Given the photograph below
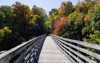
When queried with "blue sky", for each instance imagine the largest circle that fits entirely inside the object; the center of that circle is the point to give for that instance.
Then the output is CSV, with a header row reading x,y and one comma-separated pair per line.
x,y
47,5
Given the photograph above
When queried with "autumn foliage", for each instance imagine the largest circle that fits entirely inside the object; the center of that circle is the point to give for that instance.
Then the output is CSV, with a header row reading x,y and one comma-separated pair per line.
x,y
59,26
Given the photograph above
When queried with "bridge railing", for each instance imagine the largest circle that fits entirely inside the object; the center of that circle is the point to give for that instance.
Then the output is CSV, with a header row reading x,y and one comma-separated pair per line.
x,y
76,50
26,52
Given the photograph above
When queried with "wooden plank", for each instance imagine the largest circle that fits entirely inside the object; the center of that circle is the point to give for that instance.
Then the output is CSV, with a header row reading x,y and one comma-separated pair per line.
x,y
51,53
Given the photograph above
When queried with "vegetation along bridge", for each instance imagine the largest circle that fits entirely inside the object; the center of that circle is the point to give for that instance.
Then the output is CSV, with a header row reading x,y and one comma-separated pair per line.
x,y
52,49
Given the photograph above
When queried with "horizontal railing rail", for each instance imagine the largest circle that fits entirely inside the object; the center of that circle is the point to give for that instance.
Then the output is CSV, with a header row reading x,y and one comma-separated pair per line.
x,y
26,52
76,50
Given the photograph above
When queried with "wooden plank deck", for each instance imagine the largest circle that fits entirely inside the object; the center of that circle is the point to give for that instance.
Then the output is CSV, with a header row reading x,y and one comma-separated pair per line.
x,y
51,53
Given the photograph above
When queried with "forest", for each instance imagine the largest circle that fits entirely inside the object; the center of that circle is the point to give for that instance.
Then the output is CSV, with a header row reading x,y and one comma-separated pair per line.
x,y
19,23
79,22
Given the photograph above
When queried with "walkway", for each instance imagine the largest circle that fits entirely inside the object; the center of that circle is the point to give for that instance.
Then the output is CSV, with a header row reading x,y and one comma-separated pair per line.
x,y
51,53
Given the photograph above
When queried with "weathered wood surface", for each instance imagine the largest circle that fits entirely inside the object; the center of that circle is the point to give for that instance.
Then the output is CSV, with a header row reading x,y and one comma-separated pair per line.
x,y
51,53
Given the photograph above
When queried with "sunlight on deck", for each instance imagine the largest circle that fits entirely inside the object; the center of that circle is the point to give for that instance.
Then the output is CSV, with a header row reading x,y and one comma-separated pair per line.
x,y
51,53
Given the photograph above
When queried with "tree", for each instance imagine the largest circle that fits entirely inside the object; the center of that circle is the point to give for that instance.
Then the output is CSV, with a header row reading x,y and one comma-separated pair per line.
x,y
59,26
23,20
7,10
40,17
84,7
4,35
74,26
53,12
65,9
93,36
2,19
53,17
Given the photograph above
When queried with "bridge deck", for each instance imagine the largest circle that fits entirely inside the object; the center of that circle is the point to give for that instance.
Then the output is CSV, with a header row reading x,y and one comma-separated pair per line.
x,y
51,53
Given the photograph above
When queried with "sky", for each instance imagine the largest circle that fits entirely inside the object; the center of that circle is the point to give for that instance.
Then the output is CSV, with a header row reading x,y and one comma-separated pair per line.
x,y
47,5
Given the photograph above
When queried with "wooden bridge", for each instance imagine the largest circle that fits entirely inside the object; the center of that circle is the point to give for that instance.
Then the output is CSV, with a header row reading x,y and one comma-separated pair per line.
x,y
52,49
